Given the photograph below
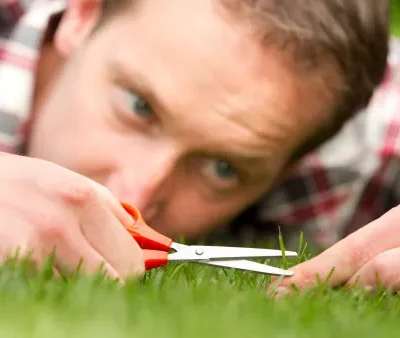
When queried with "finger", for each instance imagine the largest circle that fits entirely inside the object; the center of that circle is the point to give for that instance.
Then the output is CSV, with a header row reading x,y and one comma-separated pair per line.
x,y
107,236
56,273
341,261
382,271
75,188
53,232
78,254
113,203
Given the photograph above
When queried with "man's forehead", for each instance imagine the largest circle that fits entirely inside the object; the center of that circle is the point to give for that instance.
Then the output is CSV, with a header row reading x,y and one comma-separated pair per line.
x,y
216,59
209,71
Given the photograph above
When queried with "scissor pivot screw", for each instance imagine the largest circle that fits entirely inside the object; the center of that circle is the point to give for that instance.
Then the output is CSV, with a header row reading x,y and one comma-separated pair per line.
x,y
199,252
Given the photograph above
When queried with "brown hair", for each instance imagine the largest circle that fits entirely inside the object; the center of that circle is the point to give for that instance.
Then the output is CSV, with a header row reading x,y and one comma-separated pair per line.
x,y
348,37
111,7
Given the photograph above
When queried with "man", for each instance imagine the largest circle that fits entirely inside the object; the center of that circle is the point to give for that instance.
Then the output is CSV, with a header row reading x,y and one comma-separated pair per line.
x,y
190,110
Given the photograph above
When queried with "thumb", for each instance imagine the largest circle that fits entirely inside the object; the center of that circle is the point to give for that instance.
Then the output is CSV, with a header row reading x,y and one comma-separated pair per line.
x,y
382,271
305,275
341,261
331,263
113,203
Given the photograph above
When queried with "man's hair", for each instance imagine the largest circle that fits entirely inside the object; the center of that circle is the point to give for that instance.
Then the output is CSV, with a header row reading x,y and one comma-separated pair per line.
x,y
112,6
346,38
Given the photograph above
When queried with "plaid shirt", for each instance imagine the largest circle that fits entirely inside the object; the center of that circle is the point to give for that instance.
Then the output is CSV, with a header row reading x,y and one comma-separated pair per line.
x,y
346,183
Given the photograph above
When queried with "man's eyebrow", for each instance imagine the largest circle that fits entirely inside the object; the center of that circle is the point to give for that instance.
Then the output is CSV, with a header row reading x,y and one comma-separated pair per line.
x,y
140,84
248,162
256,165
252,169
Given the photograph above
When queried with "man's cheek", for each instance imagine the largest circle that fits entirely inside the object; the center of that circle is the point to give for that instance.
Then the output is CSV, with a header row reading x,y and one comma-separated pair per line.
x,y
197,217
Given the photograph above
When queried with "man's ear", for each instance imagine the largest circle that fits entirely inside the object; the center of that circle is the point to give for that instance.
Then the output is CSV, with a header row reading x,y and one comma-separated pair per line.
x,y
77,22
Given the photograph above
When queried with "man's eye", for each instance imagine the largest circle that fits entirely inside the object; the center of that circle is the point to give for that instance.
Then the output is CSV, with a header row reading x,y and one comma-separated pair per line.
x,y
220,173
223,170
139,106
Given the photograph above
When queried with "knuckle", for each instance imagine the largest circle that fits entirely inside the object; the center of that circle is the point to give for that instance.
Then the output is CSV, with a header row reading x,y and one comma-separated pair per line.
x,y
384,271
380,266
51,227
359,254
309,277
77,192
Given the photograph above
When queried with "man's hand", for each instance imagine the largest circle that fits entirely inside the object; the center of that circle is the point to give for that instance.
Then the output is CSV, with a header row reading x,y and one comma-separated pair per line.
x,y
368,256
46,208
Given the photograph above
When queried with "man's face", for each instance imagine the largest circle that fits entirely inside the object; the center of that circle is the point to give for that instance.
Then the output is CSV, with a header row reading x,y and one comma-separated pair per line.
x,y
177,109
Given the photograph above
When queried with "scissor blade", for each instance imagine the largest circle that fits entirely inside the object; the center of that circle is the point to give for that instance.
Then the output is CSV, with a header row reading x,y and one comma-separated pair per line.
x,y
250,266
210,253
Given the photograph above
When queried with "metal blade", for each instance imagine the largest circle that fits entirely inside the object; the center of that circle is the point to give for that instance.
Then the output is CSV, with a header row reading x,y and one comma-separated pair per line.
x,y
250,266
210,253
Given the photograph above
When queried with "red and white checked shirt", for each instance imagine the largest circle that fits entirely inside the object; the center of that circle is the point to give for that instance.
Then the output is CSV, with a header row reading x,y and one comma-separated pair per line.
x,y
347,183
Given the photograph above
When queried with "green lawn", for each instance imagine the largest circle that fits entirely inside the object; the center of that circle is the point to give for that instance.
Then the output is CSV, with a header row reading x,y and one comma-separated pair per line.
x,y
396,17
185,300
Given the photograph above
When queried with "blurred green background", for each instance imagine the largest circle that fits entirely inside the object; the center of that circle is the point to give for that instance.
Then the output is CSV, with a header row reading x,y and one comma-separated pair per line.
x,y
396,17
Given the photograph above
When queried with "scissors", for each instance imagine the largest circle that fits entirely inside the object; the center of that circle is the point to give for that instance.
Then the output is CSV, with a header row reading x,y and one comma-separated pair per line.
x,y
156,251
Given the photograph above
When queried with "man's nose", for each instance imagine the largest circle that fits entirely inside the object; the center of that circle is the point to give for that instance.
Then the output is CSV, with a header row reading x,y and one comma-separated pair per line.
x,y
139,181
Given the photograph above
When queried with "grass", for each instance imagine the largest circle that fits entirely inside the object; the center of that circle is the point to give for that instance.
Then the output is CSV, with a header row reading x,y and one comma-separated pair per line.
x,y
395,11
185,300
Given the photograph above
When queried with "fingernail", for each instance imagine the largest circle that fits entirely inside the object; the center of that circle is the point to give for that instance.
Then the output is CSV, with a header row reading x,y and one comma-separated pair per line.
x,y
281,292
369,289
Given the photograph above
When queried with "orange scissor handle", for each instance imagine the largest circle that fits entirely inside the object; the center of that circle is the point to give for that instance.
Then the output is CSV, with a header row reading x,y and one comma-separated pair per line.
x,y
154,259
149,240
146,237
